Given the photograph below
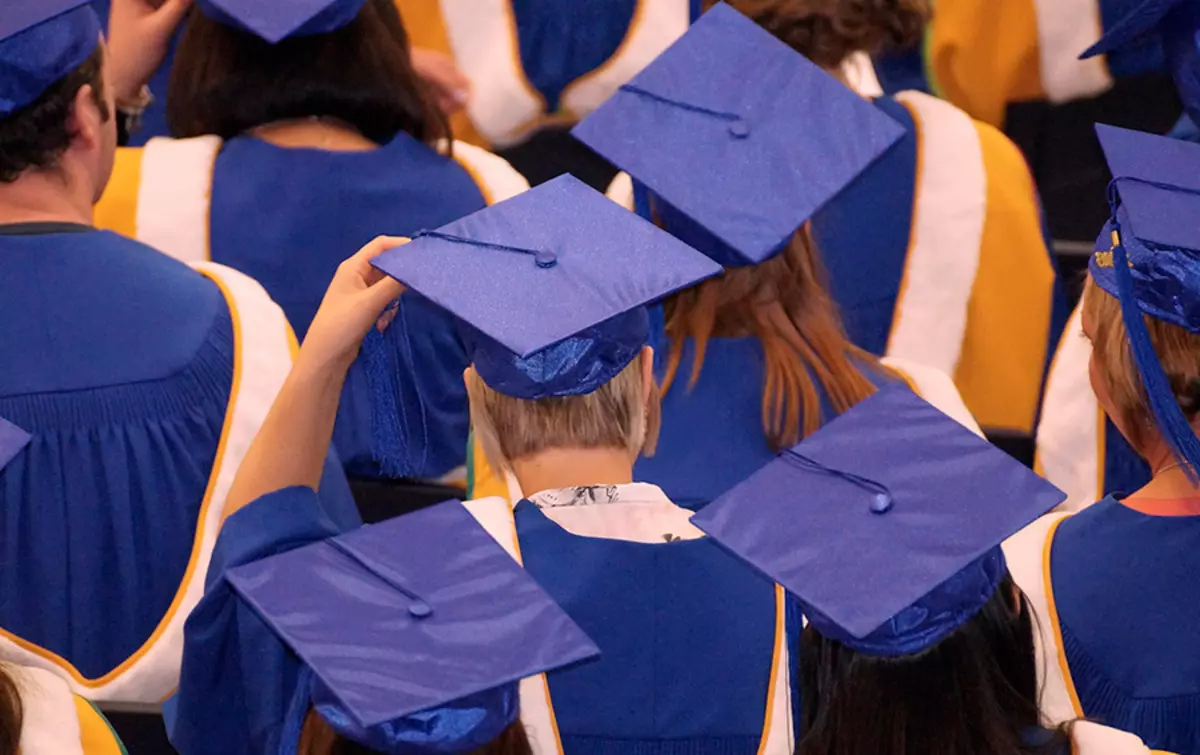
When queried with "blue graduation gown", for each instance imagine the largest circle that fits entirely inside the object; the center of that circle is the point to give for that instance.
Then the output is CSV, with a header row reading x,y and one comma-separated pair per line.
x,y
118,360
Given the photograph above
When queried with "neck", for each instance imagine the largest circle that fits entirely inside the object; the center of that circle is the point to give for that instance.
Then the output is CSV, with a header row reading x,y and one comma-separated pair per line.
x,y
44,197
573,467
1169,480
316,132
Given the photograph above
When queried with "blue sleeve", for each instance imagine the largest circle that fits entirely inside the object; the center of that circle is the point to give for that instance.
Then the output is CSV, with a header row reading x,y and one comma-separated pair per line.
x,y
336,496
237,676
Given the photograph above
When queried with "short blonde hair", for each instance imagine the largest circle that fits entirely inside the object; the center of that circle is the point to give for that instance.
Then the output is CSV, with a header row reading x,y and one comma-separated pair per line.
x,y
616,415
1178,351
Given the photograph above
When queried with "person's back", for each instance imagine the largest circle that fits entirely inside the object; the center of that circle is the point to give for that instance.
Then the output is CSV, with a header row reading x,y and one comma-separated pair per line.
x,y
256,185
139,382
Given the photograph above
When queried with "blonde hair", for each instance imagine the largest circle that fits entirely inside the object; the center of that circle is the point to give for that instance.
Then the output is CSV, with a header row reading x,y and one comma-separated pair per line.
x,y
785,304
1178,351
617,415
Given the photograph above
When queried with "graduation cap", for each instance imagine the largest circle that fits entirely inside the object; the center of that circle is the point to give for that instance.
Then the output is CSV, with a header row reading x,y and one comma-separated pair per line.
x,y
886,523
42,41
276,20
1148,256
1175,24
738,138
12,441
414,632
550,285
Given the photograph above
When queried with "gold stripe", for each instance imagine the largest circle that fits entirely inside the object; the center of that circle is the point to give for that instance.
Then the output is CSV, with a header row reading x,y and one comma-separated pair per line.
x,y
117,209
96,735
1055,627
776,659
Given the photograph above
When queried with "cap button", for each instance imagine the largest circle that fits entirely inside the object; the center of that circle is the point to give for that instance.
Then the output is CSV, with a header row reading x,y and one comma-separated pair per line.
x,y
881,503
545,259
739,129
420,610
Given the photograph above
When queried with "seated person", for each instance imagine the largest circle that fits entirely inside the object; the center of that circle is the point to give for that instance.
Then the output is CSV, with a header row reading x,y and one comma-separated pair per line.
x,y
303,132
140,380
1113,585
562,392
886,526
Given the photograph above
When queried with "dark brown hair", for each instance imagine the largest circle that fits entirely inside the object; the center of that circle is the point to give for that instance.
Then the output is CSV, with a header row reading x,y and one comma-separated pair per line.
x,y
225,81
975,691
37,135
11,714
318,738
785,304
827,31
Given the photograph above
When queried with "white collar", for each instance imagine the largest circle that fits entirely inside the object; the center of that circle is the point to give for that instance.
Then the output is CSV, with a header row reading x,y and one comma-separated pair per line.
x,y
643,513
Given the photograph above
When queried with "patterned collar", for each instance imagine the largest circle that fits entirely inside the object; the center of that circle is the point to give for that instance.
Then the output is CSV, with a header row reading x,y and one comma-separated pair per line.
x,y
591,495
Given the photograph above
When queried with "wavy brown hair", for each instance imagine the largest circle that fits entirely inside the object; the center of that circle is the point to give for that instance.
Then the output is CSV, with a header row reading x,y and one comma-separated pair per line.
x,y
827,31
785,304
318,738
11,714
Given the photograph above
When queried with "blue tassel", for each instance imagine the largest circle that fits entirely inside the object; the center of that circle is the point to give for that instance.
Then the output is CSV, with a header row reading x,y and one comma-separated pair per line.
x,y
293,724
387,426
1172,423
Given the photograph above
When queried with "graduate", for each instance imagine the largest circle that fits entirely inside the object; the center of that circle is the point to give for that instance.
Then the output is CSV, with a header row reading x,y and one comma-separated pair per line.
x,y
1113,585
304,131
39,715
886,527
561,388
732,157
541,66
139,381
983,56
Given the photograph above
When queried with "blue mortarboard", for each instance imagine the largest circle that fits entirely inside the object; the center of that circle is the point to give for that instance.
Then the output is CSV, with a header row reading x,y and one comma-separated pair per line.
x,y
739,138
1149,258
42,41
1173,22
12,441
276,20
413,632
551,285
886,523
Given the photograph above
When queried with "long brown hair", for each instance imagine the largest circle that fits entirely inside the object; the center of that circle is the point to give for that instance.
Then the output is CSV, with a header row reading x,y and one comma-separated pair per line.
x,y
225,81
318,738
785,304
828,31
11,714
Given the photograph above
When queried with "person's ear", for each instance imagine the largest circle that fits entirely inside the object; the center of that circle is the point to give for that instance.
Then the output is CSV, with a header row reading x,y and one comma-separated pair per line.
x,y
647,371
87,122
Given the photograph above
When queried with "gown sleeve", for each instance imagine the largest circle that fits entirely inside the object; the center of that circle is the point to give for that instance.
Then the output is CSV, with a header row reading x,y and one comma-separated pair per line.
x,y
238,677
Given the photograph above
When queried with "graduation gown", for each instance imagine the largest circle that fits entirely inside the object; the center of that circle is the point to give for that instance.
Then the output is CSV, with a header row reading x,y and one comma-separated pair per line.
x,y
287,218
533,62
56,721
651,603
1116,602
1078,448
983,55
142,383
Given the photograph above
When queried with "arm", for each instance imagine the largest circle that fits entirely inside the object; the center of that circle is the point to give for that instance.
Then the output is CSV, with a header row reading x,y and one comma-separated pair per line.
x,y
291,446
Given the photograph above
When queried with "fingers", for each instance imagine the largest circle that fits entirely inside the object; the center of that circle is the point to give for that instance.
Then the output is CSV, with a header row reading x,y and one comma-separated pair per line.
x,y
381,289
170,14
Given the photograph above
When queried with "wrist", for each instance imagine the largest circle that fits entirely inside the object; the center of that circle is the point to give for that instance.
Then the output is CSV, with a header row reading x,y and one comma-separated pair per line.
x,y
327,371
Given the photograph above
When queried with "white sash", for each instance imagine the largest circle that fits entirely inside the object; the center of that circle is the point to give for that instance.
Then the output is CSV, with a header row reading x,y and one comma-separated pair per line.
x,y
930,321
1028,556
174,196
1093,739
50,723
1070,432
937,388
1065,29
537,711
262,361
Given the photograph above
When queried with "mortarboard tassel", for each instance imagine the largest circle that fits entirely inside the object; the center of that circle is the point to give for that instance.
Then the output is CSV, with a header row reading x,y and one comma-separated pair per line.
x,y
881,503
387,426
1173,425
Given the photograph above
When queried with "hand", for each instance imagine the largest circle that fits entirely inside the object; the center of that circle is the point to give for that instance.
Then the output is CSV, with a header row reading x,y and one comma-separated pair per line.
x,y
139,35
451,88
353,304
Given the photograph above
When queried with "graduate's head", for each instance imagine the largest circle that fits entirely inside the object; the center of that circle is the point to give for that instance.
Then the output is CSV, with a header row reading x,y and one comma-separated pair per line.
x,y
550,290
1141,305
319,738
734,142
56,112
828,31
238,68
886,527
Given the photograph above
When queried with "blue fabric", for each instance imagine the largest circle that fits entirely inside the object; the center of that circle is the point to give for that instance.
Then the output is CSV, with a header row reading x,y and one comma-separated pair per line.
x,y
292,235
560,42
274,22
902,71
1129,604
35,53
865,261
1185,129
1124,471
666,683
1137,56
124,391
238,677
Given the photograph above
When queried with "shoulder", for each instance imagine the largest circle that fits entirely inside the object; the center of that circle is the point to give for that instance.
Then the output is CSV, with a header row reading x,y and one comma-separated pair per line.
x,y
1093,739
496,179
932,115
